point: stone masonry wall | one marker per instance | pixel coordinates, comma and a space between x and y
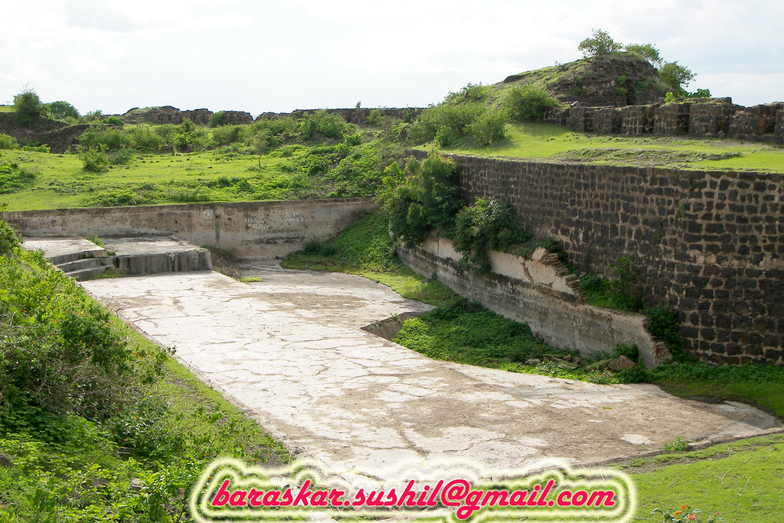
716, 119
710, 244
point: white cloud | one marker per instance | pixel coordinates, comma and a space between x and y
259, 56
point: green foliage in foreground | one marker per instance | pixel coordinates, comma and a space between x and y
97, 423
739, 481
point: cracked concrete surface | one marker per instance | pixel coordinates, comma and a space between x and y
290, 350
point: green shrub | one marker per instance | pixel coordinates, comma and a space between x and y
94, 159
471, 93
647, 52
427, 198
28, 106
663, 324
321, 125
217, 119
122, 157
445, 123
14, 178
113, 120
8, 142
487, 225
376, 117
145, 138
9, 239
527, 103
488, 128
226, 134
109, 139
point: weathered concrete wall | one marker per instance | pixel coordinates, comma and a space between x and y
247, 229
532, 291
710, 244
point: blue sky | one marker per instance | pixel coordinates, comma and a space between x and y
282, 55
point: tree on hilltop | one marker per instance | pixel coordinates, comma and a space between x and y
601, 43
674, 75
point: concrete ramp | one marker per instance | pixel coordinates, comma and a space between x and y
82, 259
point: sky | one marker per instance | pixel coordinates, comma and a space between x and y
281, 55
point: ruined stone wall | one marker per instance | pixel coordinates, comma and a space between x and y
352, 115
710, 244
171, 115
247, 229
698, 119
671, 119
637, 119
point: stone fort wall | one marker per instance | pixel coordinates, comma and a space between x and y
710, 244
715, 119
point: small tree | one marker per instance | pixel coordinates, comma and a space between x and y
676, 77
28, 106
646, 51
601, 43
61, 110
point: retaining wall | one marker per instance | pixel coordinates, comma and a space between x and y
710, 244
540, 292
247, 229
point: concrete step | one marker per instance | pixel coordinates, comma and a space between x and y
84, 263
86, 274
60, 259
64, 250
81, 259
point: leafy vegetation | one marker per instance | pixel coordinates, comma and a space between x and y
527, 102
599, 43
365, 248
424, 198
486, 225
14, 178
97, 423
461, 116
28, 106
8, 142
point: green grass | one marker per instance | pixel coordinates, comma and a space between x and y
556, 143
366, 249
7, 109
72, 460
302, 169
61, 181
758, 384
742, 481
